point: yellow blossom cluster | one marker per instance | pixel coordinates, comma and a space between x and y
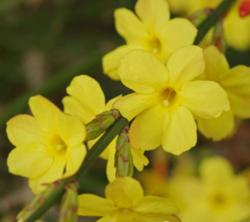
177, 89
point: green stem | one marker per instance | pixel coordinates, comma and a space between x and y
89, 161
212, 19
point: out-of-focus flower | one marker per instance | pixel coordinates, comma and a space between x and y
152, 31
236, 82
217, 196
49, 146
81, 104
236, 21
125, 202
167, 98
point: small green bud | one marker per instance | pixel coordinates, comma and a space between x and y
123, 159
218, 36
101, 123
68, 212
37, 201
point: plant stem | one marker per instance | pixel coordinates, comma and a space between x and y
90, 159
212, 19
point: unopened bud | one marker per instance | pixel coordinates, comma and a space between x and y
199, 16
68, 212
101, 123
37, 202
123, 158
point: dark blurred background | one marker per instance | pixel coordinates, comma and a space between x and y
43, 45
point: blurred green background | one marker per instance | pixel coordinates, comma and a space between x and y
43, 44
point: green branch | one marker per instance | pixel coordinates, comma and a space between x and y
212, 19
89, 161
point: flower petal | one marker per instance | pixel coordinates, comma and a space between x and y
139, 159
237, 83
107, 219
73, 135
74, 108
23, 129
112, 60
218, 128
81, 87
55, 172
179, 131
206, 99
186, 64
92, 205
110, 168
75, 157
154, 15
216, 64
147, 129
29, 160
44, 111
125, 192
142, 72
156, 207
129, 26
133, 104
177, 33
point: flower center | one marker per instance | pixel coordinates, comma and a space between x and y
169, 96
155, 45
218, 200
244, 8
58, 145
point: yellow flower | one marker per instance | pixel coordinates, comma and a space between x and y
86, 100
152, 31
166, 99
217, 196
236, 82
49, 146
125, 202
236, 21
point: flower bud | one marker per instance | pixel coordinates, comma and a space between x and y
102, 122
218, 36
68, 212
37, 202
123, 158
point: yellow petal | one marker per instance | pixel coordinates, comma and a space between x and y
153, 13
139, 159
92, 205
177, 33
75, 157
206, 99
125, 192
23, 129
71, 130
156, 207
237, 83
142, 72
74, 108
107, 219
133, 104
55, 172
218, 128
147, 129
129, 26
216, 64
44, 111
236, 29
81, 87
216, 170
186, 64
112, 60
110, 168
29, 160
179, 131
